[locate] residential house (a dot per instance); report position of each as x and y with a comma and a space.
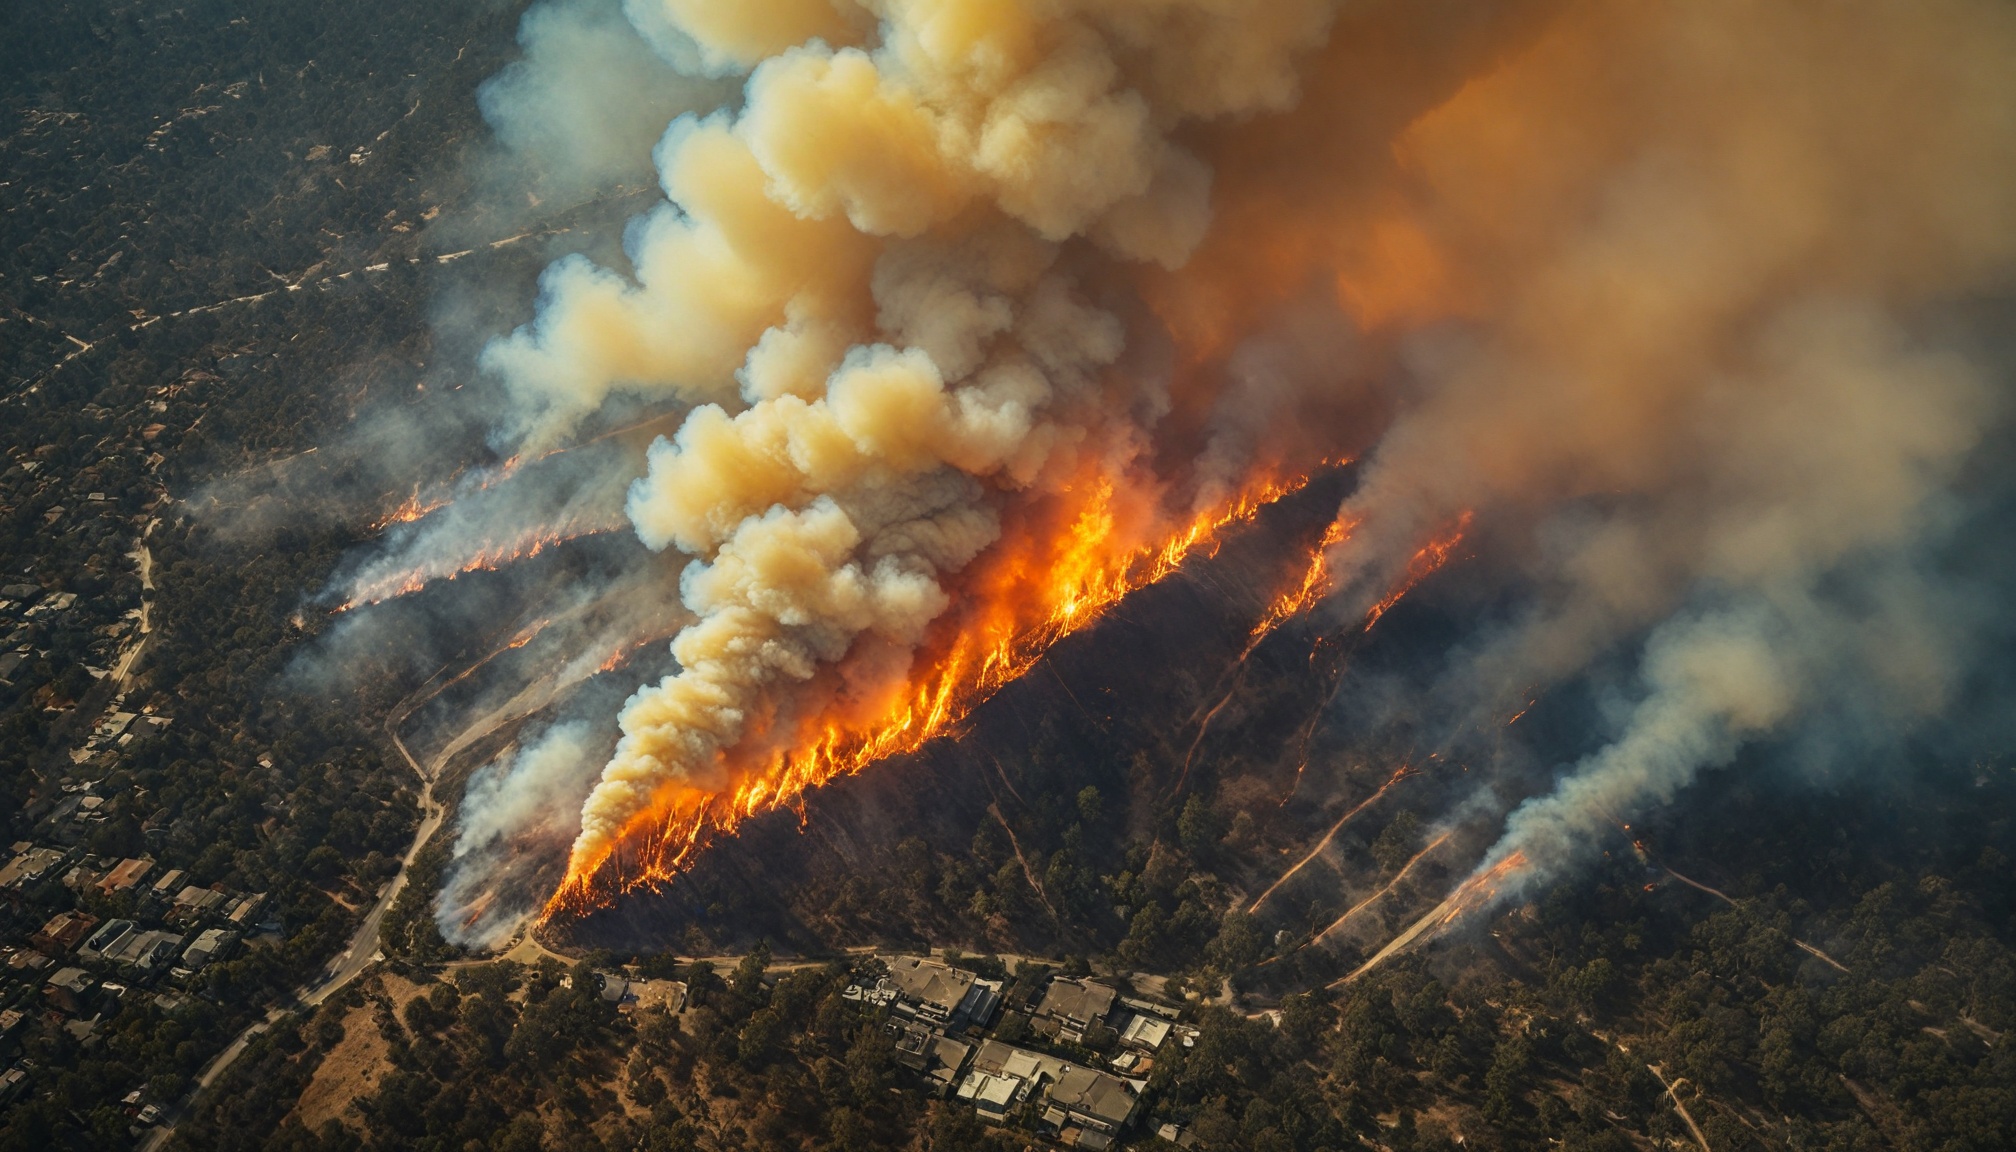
1097, 1100
211, 944
240, 910
168, 884
1071, 1007
108, 936
32, 867
940, 995
193, 903
151, 951
64, 931
1144, 1031
939, 1058
69, 990
125, 875
1087, 1107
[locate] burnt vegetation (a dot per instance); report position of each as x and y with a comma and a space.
218, 250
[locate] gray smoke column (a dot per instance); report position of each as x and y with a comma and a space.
521, 806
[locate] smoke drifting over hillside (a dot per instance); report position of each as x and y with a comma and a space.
1705, 243
974, 315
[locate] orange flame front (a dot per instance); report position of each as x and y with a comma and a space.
1051, 575
411, 509
1314, 585
1425, 563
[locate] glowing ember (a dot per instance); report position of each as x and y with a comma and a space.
1306, 594
412, 509
524, 637
1478, 891
624, 652
486, 559
1032, 591
1432, 556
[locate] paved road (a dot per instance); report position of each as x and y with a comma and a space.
123, 674
360, 954
363, 947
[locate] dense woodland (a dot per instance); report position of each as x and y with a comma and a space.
191, 193
195, 199
1559, 1027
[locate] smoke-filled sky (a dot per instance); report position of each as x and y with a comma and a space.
955, 311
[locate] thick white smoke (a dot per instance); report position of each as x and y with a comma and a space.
862, 279
515, 812
1649, 279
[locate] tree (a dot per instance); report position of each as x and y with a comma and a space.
1198, 827
1396, 844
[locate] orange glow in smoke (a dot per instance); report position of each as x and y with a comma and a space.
1431, 557
1040, 583
1477, 892
486, 559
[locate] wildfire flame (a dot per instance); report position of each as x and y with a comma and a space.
1425, 563
1034, 590
463, 483
413, 508
623, 652
485, 559
1476, 892
1314, 585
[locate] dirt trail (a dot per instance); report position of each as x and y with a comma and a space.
122, 674
1404, 772
1802, 945
1674, 1096
1382, 893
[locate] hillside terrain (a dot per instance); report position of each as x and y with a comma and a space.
248, 258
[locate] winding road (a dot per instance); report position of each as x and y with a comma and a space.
354, 959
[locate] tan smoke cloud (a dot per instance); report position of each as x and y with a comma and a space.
862, 280
1692, 242
1645, 272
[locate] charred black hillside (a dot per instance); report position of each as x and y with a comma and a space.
1037, 827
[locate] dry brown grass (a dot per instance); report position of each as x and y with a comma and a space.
353, 1069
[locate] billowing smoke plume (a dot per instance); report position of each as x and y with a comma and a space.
515, 811
875, 278
1703, 251
966, 308
584, 64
